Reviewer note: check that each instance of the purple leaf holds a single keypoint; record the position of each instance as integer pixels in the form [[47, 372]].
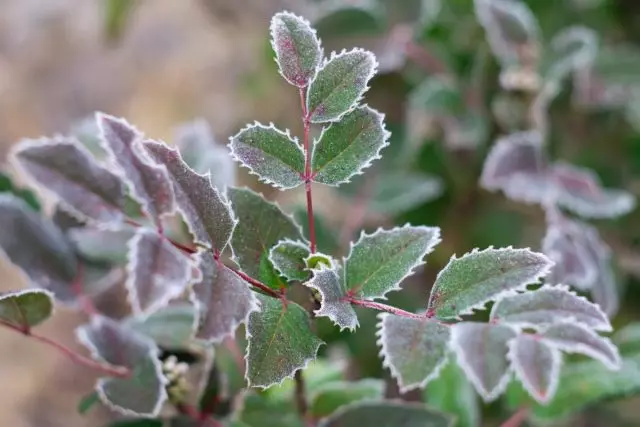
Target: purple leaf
[[327, 281], [38, 247], [157, 272], [574, 264], [482, 350], [576, 338], [66, 169], [141, 394], [223, 300], [536, 365], [149, 182], [548, 305], [414, 350], [205, 210]]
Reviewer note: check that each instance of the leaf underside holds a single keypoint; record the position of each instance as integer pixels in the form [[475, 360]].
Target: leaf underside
[[328, 283]]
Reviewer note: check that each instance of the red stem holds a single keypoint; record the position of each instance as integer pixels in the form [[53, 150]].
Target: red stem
[[114, 371], [307, 169], [383, 307], [517, 418], [256, 283]]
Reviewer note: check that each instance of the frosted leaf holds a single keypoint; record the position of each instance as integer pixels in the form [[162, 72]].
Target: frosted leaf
[[329, 397], [465, 131], [572, 48], [157, 272], [223, 300], [66, 169], [328, 283], [580, 191], [605, 291], [203, 207], [481, 350], [574, 264], [38, 247], [348, 146], [512, 30], [141, 394], [377, 263], [262, 224], [576, 338], [548, 305], [288, 257], [280, 342], [199, 150], [387, 414], [149, 182], [477, 277], [102, 245], [414, 350], [536, 365], [339, 85], [297, 48], [26, 308], [271, 154], [170, 327]]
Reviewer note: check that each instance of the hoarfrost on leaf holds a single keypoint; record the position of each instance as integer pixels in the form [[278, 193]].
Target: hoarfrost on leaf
[[537, 366], [334, 305]]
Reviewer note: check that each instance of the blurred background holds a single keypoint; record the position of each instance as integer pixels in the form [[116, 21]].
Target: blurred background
[[160, 63]]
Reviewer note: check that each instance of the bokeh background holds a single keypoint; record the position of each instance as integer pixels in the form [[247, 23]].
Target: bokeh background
[[160, 63]]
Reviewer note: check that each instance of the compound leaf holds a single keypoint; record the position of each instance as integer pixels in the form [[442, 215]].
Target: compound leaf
[[100, 244], [339, 84], [477, 277], [170, 327], [223, 300], [481, 350], [149, 182], [330, 396], [143, 392], [280, 342], [329, 285], [66, 169], [386, 414], [548, 305], [271, 154], [537, 366], [414, 350], [297, 48], [26, 308], [576, 338], [348, 146], [157, 272], [288, 258], [204, 209], [38, 247], [377, 263], [262, 224]]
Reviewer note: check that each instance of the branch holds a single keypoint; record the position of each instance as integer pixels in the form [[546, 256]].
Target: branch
[[307, 170], [383, 307], [113, 371], [517, 418]]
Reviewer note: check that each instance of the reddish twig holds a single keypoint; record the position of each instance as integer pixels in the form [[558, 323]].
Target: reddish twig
[[517, 418], [113, 371], [253, 282], [306, 120], [85, 302], [383, 307]]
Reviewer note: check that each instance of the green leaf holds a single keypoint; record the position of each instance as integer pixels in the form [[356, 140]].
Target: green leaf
[[436, 96], [257, 410], [88, 402], [341, 19], [143, 392], [107, 245], [452, 393], [377, 263], [317, 373], [280, 342], [328, 283], [348, 146], [117, 13], [262, 224], [288, 258], [339, 85], [7, 186], [386, 414], [628, 339], [414, 350], [26, 308], [271, 154], [331, 396], [297, 48], [469, 282], [170, 327]]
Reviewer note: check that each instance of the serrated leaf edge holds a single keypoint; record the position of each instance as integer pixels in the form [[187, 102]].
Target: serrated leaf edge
[[286, 133], [154, 354], [435, 240], [554, 232], [319, 312], [605, 327], [520, 374], [386, 363], [513, 291], [335, 55], [285, 241], [386, 135]]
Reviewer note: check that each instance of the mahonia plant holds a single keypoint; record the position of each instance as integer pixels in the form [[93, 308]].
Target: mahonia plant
[[121, 210]]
